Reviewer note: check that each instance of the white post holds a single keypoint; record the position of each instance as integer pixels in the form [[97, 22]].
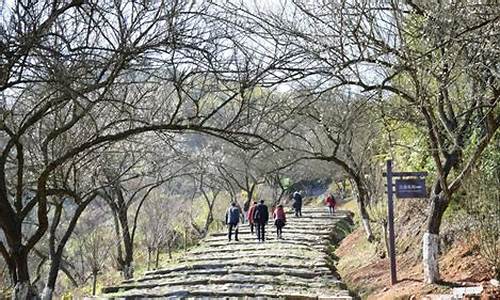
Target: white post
[[430, 249]]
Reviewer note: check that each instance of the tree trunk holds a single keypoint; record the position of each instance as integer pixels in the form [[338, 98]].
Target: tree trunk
[[362, 199], [210, 216], [430, 257], [249, 191], [344, 189], [128, 246], [128, 271], [119, 252], [149, 258], [57, 253], [17, 262], [169, 251], [185, 239], [209, 219], [94, 282], [279, 196], [47, 293], [386, 238], [13, 274], [367, 228], [11, 266], [23, 289], [48, 290], [157, 261], [430, 240]]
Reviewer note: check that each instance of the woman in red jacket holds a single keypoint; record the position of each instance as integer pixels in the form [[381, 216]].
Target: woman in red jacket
[[251, 211], [330, 202], [279, 220]]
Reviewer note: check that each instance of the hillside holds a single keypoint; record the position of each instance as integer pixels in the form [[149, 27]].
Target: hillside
[[365, 268]]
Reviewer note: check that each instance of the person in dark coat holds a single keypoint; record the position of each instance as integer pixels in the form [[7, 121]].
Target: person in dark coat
[[251, 212], [260, 218], [279, 220], [246, 207], [297, 204], [232, 220]]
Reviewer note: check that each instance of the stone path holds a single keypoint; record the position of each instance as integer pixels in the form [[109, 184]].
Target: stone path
[[295, 267]]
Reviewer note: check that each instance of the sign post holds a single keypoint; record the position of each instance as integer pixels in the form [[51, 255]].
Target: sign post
[[390, 221], [405, 188]]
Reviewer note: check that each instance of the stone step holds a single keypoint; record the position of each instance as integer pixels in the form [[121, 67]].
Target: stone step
[[242, 248], [208, 269], [255, 249], [298, 226], [216, 272], [322, 208], [232, 264], [325, 282], [301, 277], [250, 240], [301, 224], [309, 218], [284, 255], [289, 231], [286, 237], [271, 258], [295, 267], [310, 242], [239, 290]]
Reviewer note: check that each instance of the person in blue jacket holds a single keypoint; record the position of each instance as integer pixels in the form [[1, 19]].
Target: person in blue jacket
[[232, 220]]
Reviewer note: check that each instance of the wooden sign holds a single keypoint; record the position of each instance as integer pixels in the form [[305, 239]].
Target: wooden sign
[[411, 188]]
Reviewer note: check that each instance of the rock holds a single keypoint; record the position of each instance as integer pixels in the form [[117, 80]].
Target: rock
[[467, 291]]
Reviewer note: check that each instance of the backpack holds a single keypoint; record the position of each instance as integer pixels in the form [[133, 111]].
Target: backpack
[[233, 215], [297, 197]]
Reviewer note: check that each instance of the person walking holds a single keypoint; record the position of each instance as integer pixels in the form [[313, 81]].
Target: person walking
[[330, 202], [240, 210], [297, 203], [260, 218], [250, 214], [232, 220], [279, 220], [246, 207]]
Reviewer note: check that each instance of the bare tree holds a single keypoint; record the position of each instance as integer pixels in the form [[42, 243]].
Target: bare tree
[[210, 184], [58, 244], [94, 248], [344, 131], [129, 184], [118, 69], [158, 224], [436, 62], [243, 168]]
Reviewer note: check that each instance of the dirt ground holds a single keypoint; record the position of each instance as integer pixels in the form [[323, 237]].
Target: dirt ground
[[368, 275]]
